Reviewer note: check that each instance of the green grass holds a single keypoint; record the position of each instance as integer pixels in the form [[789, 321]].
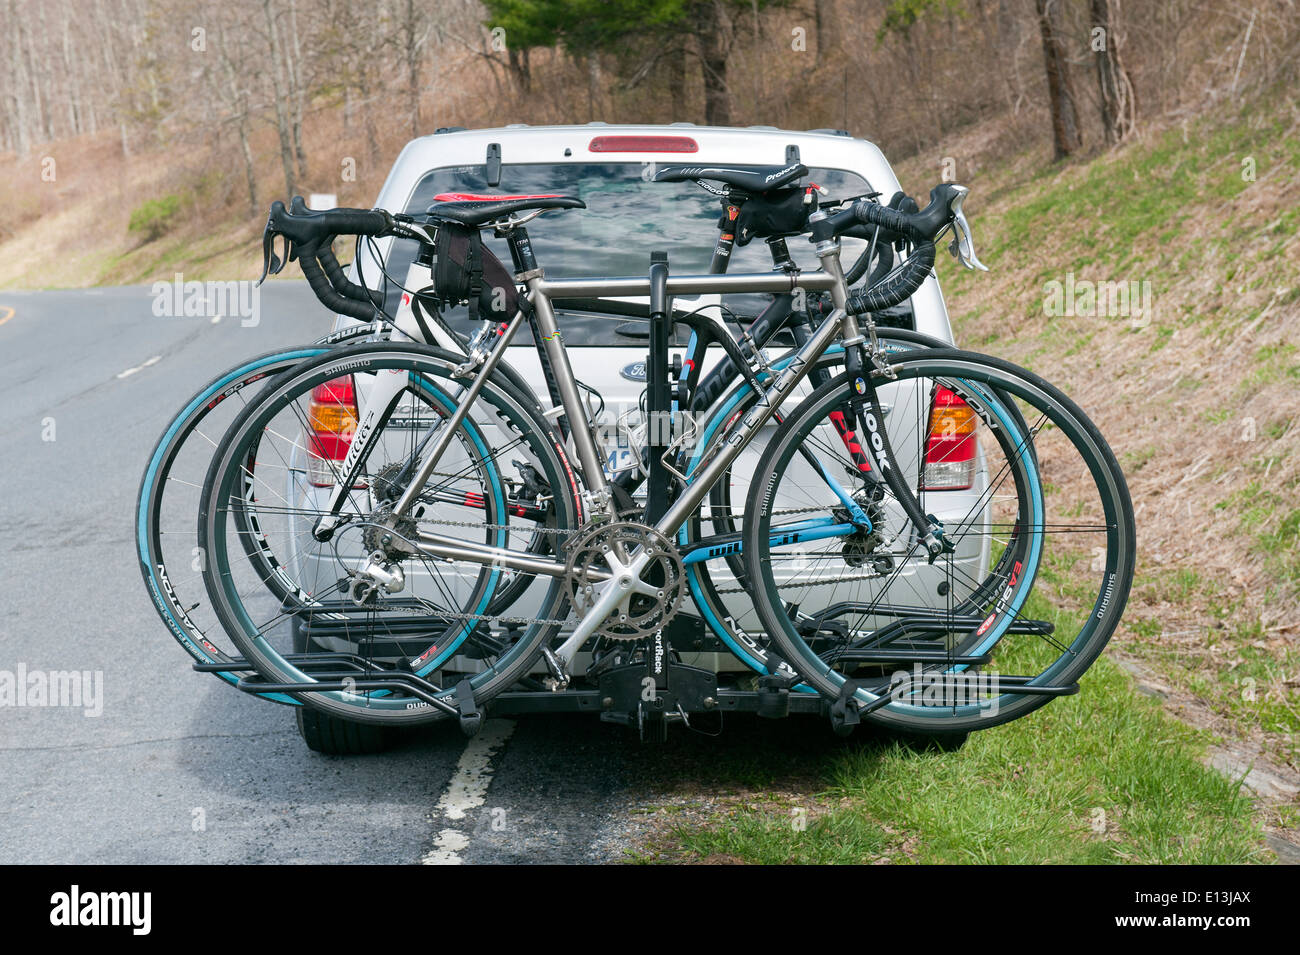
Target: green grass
[[1268, 515], [780, 837], [1100, 777]]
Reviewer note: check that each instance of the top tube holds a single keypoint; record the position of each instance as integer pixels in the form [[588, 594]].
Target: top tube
[[776, 282]]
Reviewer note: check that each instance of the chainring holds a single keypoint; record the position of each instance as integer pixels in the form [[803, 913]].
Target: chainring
[[642, 614]]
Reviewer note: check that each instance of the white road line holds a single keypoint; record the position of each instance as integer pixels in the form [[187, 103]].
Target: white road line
[[467, 790], [131, 371]]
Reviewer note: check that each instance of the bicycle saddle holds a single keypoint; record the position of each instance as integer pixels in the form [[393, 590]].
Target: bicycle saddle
[[762, 179], [472, 209]]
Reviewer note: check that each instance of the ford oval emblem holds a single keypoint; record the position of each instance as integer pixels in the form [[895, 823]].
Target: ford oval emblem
[[634, 371]]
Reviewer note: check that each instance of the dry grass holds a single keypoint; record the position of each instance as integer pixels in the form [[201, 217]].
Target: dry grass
[[71, 231]]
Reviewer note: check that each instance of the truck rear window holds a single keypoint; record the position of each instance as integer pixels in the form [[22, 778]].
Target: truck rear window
[[627, 217]]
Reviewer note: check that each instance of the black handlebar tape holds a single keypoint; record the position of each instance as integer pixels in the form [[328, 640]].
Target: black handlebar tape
[[302, 226], [900, 289], [357, 221], [873, 213], [342, 284], [920, 226], [331, 299]]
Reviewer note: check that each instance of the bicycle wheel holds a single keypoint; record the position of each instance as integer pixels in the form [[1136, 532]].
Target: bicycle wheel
[[168, 501], [919, 641], [718, 582], [385, 657]]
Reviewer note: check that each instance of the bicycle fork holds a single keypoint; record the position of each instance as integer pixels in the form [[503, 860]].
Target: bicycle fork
[[865, 405]]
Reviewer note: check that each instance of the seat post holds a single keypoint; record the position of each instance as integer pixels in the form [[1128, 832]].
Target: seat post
[[521, 250], [726, 237], [658, 391]]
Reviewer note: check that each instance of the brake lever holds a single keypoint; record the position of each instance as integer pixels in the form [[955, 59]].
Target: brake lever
[[272, 263], [962, 246]]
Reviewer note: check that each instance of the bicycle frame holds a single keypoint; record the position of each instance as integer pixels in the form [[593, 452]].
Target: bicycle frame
[[541, 292]]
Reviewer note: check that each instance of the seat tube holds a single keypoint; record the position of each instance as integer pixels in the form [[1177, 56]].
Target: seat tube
[[553, 342], [726, 239]]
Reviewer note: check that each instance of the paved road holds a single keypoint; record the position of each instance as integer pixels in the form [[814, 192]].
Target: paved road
[[99, 373]]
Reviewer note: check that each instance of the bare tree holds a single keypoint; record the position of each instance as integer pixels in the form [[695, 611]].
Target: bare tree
[[414, 29], [1117, 99], [279, 95], [675, 67], [234, 84], [18, 84], [824, 23], [711, 39], [1066, 137], [297, 89]]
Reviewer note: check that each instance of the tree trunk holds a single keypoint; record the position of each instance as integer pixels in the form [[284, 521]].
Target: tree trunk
[[250, 171], [278, 93], [713, 62], [1066, 138], [71, 69], [1117, 101], [677, 84], [22, 130], [31, 79], [823, 13], [297, 91], [593, 85], [369, 131], [238, 100], [412, 51], [520, 68]]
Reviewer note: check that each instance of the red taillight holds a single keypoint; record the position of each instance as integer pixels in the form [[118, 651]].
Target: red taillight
[[950, 448], [332, 420], [643, 144], [340, 391]]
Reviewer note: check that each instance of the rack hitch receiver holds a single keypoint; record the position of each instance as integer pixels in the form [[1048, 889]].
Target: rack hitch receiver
[[655, 692]]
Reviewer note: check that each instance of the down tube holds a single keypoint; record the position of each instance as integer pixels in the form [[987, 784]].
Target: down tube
[[744, 430]]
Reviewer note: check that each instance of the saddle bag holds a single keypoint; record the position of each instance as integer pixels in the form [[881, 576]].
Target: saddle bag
[[780, 212], [466, 271]]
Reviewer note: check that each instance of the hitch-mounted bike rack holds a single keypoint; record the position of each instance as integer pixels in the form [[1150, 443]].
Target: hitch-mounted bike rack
[[656, 690]]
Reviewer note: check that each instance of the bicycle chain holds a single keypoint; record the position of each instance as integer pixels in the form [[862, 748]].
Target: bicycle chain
[[551, 531]]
